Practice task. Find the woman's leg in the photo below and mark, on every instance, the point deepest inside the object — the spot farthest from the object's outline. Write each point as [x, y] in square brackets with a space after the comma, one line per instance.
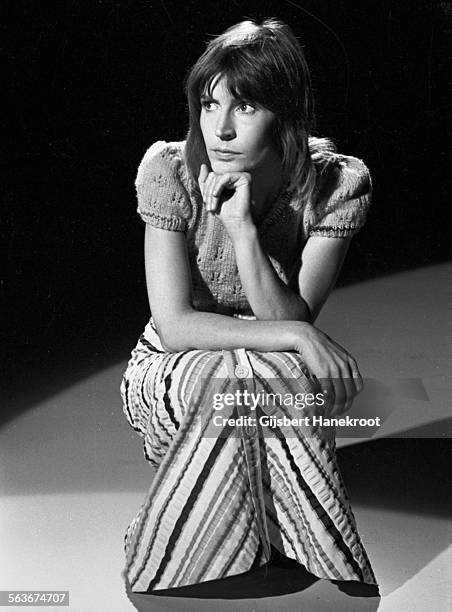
[308, 514]
[198, 521]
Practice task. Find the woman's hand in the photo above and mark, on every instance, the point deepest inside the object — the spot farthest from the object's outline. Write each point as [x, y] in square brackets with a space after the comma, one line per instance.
[227, 195]
[335, 369]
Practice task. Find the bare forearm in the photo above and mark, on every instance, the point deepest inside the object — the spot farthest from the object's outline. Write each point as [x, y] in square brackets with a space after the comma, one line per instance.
[192, 329]
[268, 296]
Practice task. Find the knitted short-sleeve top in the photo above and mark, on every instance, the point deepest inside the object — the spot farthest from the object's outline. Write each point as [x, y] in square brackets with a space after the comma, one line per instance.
[168, 199]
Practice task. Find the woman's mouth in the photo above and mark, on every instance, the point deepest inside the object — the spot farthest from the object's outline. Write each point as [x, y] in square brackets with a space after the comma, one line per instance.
[225, 153]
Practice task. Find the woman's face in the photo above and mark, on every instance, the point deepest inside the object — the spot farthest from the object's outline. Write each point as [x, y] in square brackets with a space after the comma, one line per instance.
[237, 133]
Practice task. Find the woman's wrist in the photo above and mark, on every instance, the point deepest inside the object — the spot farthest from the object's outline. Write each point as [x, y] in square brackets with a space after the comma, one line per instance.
[298, 330]
[241, 231]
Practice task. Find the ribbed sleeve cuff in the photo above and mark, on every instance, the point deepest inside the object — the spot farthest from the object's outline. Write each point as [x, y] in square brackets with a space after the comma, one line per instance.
[173, 223]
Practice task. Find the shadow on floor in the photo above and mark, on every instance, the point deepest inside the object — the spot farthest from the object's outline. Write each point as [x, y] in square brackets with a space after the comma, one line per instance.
[408, 475]
[280, 577]
[441, 429]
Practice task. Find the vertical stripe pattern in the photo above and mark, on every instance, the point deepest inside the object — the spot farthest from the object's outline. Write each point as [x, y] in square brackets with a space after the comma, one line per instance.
[219, 502]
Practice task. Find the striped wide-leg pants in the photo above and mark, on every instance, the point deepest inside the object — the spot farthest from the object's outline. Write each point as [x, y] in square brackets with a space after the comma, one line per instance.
[219, 501]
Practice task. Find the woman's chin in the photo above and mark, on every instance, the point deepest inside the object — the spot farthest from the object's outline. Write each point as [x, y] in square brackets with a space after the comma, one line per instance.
[220, 166]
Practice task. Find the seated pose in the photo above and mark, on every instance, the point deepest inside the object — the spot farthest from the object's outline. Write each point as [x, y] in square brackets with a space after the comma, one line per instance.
[248, 222]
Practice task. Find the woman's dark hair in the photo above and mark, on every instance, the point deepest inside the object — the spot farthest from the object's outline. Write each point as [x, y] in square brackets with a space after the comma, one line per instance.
[265, 64]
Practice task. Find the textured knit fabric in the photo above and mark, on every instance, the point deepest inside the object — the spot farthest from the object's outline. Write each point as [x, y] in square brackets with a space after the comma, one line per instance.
[218, 503]
[167, 199]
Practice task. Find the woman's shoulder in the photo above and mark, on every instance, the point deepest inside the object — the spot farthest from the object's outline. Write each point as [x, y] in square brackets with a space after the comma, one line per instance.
[163, 162]
[342, 195]
[336, 172]
[162, 185]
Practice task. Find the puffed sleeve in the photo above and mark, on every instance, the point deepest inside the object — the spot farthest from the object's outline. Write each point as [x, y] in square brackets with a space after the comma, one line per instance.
[163, 200]
[343, 199]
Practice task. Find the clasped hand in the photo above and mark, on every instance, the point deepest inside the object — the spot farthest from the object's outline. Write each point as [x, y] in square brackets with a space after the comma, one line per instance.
[227, 195]
[334, 369]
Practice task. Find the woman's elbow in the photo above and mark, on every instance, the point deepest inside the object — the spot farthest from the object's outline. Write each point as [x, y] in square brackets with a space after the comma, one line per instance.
[171, 331]
[292, 310]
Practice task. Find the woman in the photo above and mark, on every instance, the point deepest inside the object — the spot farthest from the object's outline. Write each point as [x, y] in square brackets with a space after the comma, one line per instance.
[247, 225]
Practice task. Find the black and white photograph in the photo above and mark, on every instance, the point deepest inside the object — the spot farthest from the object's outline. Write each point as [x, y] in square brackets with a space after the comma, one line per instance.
[226, 329]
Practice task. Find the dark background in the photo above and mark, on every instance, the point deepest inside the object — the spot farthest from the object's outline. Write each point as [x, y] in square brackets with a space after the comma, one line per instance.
[93, 84]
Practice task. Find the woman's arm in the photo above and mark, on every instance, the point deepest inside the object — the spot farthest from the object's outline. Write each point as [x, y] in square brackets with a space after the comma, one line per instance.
[269, 297]
[181, 327]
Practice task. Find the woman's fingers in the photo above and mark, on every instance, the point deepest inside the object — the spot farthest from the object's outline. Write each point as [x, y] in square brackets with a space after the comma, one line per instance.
[346, 396]
[212, 186]
[335, 369]
[203, 174]
[356, 375]
[347, 381]
[208, 187]
[216, 184]
[208, 190]
[340, 394]
[329, 395]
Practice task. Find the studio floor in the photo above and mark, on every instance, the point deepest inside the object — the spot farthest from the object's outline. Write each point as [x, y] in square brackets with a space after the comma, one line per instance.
[73, 474]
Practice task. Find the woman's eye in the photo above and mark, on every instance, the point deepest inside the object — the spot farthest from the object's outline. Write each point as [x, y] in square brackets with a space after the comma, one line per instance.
[246, 108]
[207, 104]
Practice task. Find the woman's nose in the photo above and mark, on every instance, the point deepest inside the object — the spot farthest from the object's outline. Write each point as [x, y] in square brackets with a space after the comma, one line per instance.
[224, 128]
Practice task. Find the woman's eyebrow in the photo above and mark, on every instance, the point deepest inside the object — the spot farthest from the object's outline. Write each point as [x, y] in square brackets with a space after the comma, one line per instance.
[207, 98]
